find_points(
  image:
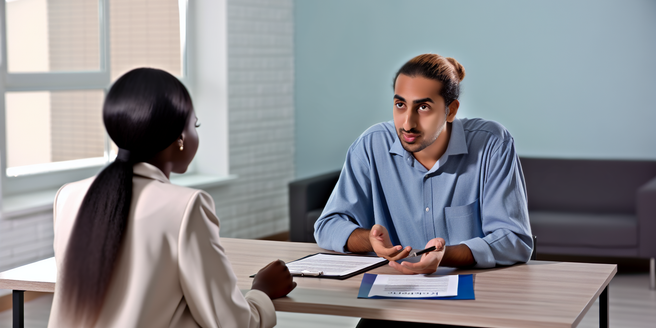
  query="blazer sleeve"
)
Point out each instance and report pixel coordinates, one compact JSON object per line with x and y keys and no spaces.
{"x":207,"y":279}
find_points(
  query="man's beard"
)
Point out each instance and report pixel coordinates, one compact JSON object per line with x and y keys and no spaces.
{"x":414,"y":147}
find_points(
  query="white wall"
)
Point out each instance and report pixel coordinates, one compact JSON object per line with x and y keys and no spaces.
{"x":25,"y":239}
{"x":261,"y":118}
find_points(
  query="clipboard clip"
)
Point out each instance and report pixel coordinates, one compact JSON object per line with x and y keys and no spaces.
{"x":306,"y":273}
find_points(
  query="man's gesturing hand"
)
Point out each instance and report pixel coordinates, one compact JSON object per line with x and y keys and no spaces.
{"x":382,"y":245}
{"x":429,"y":261}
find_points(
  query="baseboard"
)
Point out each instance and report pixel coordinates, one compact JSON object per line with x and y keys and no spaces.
{"x":281,"y":236}
{"x":6,"y":301}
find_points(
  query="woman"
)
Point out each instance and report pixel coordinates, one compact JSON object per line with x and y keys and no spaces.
{"x":132,"y":249}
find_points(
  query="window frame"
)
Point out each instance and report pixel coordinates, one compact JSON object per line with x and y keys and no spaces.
{"x":213,"y":167}
{"x":49,"y":81}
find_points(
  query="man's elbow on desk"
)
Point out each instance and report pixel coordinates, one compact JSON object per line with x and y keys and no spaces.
{"x":502,"y":251}
{"x":332,"y":234}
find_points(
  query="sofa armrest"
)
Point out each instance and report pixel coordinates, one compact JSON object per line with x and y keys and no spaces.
{"x":306,"y":195}
{"x":646,"y":212}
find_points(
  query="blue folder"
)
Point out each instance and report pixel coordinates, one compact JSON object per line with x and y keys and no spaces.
{"x":465,"y":288}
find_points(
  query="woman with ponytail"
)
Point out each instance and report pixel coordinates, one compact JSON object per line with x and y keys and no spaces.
{"x":133,"y":250}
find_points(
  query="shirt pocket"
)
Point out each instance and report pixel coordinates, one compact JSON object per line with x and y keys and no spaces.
{"x":463,"y":222}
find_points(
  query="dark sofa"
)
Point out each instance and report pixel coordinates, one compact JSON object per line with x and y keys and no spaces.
{"x":592,"y":207}
{"x":601,"y":208}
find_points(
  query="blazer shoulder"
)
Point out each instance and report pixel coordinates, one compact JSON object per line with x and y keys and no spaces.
{"x":185,"y":194}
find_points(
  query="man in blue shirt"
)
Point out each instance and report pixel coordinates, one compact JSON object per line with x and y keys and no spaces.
{"x":429,"y":179}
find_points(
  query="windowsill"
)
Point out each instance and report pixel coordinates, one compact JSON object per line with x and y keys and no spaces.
{"x":54,"y":167}
{"x":202,"y":181}
{"x":39,"y":201}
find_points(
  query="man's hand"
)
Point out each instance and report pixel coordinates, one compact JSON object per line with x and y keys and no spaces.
{"x":382,"y":245}
{"x":429,"y":261}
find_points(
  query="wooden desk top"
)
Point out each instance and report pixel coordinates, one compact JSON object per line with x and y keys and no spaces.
{"x":537,"y":294}
{"x":36,"y":277}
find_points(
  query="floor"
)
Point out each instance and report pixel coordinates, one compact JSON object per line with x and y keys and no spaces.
{"x":632,"y":304}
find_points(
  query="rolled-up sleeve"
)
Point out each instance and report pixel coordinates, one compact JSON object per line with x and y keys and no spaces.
{"x":349,"y":206}
{"x":504,"y":212}
{"x":207,"y":279}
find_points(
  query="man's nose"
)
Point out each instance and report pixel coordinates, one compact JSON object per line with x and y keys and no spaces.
{"x":410,"y":120}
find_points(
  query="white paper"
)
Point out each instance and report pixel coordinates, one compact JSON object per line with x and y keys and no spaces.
{"x":333,"y":265}
{"x":414,"y":286}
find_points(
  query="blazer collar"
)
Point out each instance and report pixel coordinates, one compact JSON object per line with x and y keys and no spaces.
{"x":150,"y":171}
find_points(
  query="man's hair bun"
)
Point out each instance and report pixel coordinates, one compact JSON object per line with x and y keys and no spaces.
{"x":459,"y":69}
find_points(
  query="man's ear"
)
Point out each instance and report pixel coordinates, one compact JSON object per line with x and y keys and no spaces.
{"x":453,"y":110}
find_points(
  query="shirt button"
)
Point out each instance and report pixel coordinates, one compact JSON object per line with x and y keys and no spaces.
{"x":426,"y":209}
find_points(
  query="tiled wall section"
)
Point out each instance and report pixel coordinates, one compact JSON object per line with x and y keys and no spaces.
{"x":261,"y":118}
{"x":261,"y":104}
{"x":25,"y":239}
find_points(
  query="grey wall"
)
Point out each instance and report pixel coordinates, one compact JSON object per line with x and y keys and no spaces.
{"x":569,"y":79}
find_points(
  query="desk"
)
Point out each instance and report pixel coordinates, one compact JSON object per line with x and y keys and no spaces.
{"x":537,"y":294}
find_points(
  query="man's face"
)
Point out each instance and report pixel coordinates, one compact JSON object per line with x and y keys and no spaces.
{"x":419,"y":112}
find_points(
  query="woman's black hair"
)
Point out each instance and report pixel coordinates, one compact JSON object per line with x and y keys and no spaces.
{"x":144,"y":112}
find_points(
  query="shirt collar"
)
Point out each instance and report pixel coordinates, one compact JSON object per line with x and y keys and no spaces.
{"x":150,"y":171}
{"x":397,"y":148}
{"x":457,"y":145}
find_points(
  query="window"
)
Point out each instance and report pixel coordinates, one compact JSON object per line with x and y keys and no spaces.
{"x":59,"y":59}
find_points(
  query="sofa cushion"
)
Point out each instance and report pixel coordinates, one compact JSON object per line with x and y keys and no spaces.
{"x":580,"y":229}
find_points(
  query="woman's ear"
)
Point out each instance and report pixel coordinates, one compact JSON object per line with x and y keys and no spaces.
{"x":181,"y":142}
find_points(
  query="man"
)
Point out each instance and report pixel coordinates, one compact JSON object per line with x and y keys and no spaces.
{"x":429,"y":179}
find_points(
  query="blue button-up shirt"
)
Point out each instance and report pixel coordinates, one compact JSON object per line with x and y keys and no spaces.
{"x":474,"y":195}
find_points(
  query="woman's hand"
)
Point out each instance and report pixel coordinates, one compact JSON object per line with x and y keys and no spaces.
{"x":382,"y":245}
{"x":429,"y":261}
{"x":274,"y":280}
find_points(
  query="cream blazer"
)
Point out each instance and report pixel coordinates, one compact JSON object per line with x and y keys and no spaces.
{"x":172,"y":270}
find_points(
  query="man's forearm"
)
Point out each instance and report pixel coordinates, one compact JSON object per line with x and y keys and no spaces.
{"x":358,"y":241}
{"x":457,"y":256}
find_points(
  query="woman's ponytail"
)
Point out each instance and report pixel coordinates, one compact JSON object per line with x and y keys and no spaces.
{"x":95,"y":242}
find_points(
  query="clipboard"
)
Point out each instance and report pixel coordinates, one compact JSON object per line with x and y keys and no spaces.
{"x":465,"y":289}
{"x":324,"y":265}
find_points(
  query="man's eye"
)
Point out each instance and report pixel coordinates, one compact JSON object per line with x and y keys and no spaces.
{"x":423,"y":107}
{"x":399,"y":105}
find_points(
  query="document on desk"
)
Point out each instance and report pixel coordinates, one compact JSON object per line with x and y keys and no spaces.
{"x":418,"y":287}
{"x":414,"y":286}
{"x":339,"y":266}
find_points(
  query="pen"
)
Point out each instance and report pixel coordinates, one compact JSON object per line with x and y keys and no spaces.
{"x":306,"y":273}
{"x":429,"y":249}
